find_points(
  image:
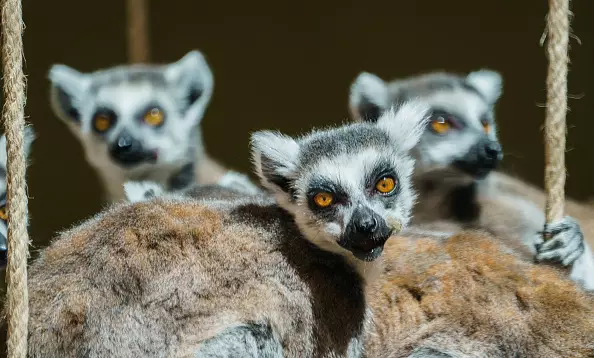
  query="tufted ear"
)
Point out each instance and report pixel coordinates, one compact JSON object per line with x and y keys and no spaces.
{"x":192,"y":78}
{"x":368,"y":97}
{"x":68,"y":87}
{"x":406,"y":124}
{"x":275,"y":159}
{"x":489,"y":83}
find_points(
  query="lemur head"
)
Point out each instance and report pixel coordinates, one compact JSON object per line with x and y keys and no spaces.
{"x":135,"y":116}
{"x":29,"y":137}
{"x":461,"y":132}
{"x":348,"y":188}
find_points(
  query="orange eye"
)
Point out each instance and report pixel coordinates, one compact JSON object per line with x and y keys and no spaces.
{"x":3,"y":213}
{"x":154,"y":117}
{"x":323,"y":200}
{"x":440,"y":125}
{"x":385,"y":185}
{"x":102,"y":122}
{"x":486,"y":127}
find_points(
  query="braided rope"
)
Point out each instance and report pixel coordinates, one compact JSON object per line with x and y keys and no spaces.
{"x":138,"y":43}
{"x":14,"y":122}
{"x":556,"y":109}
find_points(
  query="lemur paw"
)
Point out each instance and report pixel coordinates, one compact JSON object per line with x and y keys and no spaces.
{"x":139,"y":191}
{"x":238,"y":182}
{"x":566,"y":244}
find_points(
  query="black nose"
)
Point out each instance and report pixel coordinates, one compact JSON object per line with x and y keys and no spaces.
{"x":127,"y":150}
{"x":366,"y":223}
{"x":493,"y":150}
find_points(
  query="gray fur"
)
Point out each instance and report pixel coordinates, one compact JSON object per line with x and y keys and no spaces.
{"x":196,"y":273}
{"x":169,"y":154}
{"x":251,"y":340}
{"x":448,"y":189}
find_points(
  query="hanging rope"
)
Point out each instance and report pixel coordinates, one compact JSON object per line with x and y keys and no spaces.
{"x":138,"y":43}
{"x":556,"y":109}
{"x":14,"y":124}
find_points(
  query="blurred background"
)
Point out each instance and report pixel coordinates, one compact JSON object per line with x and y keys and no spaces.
{"x":288,"y":66}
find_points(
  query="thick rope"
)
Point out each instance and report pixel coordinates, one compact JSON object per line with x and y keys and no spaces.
{"x":14,"y":123}
{"x":138,"y":43}
{"x":556,"y":109}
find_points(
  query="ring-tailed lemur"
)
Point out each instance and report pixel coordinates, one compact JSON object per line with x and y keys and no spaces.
{"x":138,"y":280}
{"x":141,"y":122}
{"x":455,"y":157}
{"x":29,"y":138}
{"x":251,"y":277}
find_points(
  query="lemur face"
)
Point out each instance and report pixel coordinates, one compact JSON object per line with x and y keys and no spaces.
{"x":348,"y":188}
{"x":29,"y":137}
{"x":135,"y":116}
{"x":461,"y":132}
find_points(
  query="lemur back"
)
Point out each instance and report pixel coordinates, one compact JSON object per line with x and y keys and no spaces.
{"x":455,"y":160}
{"x":173,"y":275}
{"x":140,"y":122}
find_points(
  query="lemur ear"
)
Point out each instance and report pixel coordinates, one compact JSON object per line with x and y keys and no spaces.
{"x":368,"y":97}
{"x":489,"y":83}
{"x":192,"y":78}
{"x":275,"y":158}
{"x":68,"y":87}
{"x":406,"y":123}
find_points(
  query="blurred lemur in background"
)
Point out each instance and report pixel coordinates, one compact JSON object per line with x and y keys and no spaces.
{"x":29,"y":137}
{"x":142,"y":122}
{"x":454,"y":170}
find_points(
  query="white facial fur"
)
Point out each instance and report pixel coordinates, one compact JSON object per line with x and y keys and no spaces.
{"x":346,"y":158}
{"x":129,"y":91}
{"x":470,"y":99}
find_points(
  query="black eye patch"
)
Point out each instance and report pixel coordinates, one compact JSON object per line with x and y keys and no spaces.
{"x":321,"y":185}
{"x":383,"y":169}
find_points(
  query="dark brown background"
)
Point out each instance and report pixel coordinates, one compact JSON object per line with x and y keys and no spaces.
{"x":288,"y":65}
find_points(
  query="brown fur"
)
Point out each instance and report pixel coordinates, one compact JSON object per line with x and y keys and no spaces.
{"x":467,"y":297}
{"x":159,"y":278}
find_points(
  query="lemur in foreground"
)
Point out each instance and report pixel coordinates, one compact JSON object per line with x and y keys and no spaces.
{"x":28,"y":141}
{"x":278,"y":275}
{"x":464,"y":296}
{"x":142,"y":122}
{"x":455,"y":159}
{"x":297,"y":276}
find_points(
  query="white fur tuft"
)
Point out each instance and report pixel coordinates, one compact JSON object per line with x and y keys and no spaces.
{"x":141,"y":191}
{"x":406,"y":124}
{"x":487,"y":82}
{"x":273,"y":153}
{"x":370,"y":88}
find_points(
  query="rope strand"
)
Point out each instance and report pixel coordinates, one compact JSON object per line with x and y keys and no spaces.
{"x":14,"y":122}
{"x":556,"y":109}
{"x":138,"y":43}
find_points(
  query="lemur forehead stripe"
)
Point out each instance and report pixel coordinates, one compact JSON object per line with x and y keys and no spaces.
{"x":131,"y":76}
{"x":349,"y":139}
{"x":408,"y":89}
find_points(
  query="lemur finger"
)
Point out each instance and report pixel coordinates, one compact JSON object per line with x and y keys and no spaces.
{"x":560,"y":254}
{"x":565,"y":224}
{"x":558,"y":241}
{"x":568,"y":260}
